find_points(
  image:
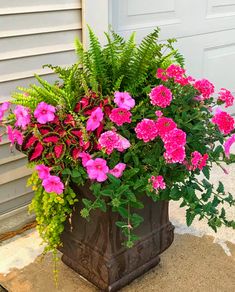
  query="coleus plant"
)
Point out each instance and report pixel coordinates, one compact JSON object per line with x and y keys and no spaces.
{"x":129,"y":121}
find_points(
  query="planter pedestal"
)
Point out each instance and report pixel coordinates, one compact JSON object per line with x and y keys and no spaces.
{"x":94,"y":249}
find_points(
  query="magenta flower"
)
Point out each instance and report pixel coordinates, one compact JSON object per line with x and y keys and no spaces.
{"x":160,"y":96}
{"x":158,"y":182}
{"x":109,"y":141}
{"x":44,"y":113}
{"x":85,"y":157}
{"x":122,"y":144}
{"x":14,"y":135}
{"x":224,"y":121}
{"x":158,"y":113}
{"x":205,"y":87}
{"x":117,"y":171}
{"x":175,"y":72}
{"x":164,"y":126}
{"x":3,"y":108}
{"x":228,"y":144}
{"x":53,"y":184}
{"x":174,"y":139}
{"x":120,"y":116}
{"x":175,"y":155}
{"x":124,"y":100}
{"x":226,"y":96}
{"x":198,"y":160}
{"x":146,"y":130}
{"x":95,"y":119}
{"x":97,"y":169}
{"x":43,"y":171}
{"x":22,"y":116}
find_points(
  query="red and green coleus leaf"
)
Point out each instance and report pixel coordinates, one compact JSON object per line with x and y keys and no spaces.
{"x":36,"y":152}
{"x":51,"y":138}
{"x":28,"y":142}
{"x":59,"y":150}
{"x":75,"y":153}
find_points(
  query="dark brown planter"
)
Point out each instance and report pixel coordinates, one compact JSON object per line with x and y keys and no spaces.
{"x":94,"y":249}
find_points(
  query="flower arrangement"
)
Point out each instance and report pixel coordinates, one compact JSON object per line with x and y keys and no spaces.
{"x":130,"y":122}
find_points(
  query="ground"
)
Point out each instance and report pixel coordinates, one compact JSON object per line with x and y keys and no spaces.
{"x":198,"y":260}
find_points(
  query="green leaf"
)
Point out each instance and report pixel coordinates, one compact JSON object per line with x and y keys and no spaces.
{"x":130,"y":173}
{"x":75,"y":173}
{"x":190,"y":215}
{"x":66,"y":171}
{"x":114,"y":180}
{"x":220,"y":188}
{"x":122,"y":211}
{"x":206,"y":172}
{"x":136,"y":220}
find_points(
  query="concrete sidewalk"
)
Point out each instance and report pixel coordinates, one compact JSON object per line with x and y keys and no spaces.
{"x":199,"y":260}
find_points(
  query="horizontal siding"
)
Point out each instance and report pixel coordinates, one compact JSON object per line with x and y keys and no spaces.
{"x":33,"y":33}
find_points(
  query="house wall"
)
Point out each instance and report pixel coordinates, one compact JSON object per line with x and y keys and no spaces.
{"x":32,"y":33}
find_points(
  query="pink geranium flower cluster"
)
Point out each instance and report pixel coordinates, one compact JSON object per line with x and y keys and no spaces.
{"x":110,"y":140}
{"x":205,"y":87}
{"x":198,"y":160}
{"x":51,"y":183}
{"x":160,"y":96}
{"x":146,"y":130}
{"x":224,"y":121}
{"x":174,"y":143}
{"x":176,"y":73}
{"x":120,"y":116}
{"x":226,"y":97}
{"x":158,"y":182}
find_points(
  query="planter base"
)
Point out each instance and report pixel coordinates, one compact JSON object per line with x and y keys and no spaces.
{"x":125,"y":280}
{"x":95,"y":249}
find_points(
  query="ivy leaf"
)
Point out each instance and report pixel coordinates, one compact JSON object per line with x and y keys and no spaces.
{"x":220,"y":188}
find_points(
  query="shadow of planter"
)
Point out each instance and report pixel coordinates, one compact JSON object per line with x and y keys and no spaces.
{"x":95,"y":249}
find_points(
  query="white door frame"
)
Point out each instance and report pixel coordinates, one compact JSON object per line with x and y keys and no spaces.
{"x":95,"y":13}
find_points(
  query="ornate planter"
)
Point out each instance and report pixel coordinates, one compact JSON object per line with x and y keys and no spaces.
{"x":94,"y":249}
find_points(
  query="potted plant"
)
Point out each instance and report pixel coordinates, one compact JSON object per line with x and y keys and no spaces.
{"x":120,"y":134}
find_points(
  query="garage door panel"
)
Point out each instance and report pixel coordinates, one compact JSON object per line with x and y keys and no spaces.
{"x":176,"y":18}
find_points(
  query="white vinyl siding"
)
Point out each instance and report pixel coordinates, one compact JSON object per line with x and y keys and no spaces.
{"x":32,"y":33}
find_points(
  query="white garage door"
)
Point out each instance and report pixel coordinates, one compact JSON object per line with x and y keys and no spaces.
{"x":205,"y":30}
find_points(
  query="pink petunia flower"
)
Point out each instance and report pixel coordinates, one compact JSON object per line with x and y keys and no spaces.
{"x":122,"y":144}
{"x":117,"y":171}
{"x":146,"y":130}
{"x":95,"y":119}
{"x":224,"y":121}
{"x":44,"y":113}
{"x":53,"y":184}
{"x":97,"y":169}
{"x":228,"y":144}
{"x":14,"y":135}
{"x":226,"y":96}
{"x":158,"y":182}
{"x":160,"y":96}
{"x":22,"y":116}
{"x":43,"y":171}
{"x":124,"y":100}
{"x":164,"y":126}
{"x":3,"y":108}
{"x":205,"y":87}
{"x":85,"y":158}
{"x":120,"y":116}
